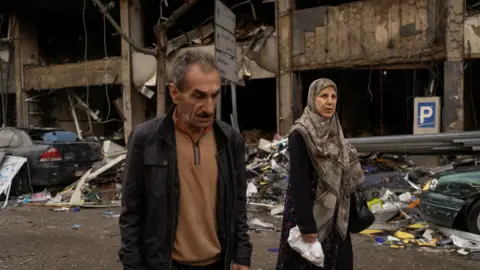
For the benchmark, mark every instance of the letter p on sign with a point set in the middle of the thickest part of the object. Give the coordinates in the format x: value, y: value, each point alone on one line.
x: 426, y: 115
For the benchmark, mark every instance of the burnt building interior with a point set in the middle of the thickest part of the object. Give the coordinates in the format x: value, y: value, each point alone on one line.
x: 256, y: 98
x: 378, y: 102
x: 71, y: 34
x: 81, y: 44
x: 69, y: 43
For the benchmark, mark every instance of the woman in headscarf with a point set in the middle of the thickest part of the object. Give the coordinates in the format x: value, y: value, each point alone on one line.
x: 324, y: 171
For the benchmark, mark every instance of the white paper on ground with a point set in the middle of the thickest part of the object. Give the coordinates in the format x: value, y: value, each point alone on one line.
x: 312, y: 252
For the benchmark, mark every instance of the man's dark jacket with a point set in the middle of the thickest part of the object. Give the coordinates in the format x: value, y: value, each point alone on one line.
x: 151, y: 190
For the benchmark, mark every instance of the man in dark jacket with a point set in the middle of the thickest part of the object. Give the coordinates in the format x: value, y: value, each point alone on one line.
x: 184, y: 195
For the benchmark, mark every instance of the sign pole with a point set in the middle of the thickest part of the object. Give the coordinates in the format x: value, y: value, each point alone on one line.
x: 234, y: 116
x: 219, y: 105
x: 226, y: 55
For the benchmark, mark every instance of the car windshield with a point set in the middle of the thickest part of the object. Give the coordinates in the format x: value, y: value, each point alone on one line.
x: 5, y: 137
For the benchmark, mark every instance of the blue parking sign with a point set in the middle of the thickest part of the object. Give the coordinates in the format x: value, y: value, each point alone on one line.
x: 426, y: 114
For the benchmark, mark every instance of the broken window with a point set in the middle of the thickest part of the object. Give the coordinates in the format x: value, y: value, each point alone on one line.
x: 73, y: 34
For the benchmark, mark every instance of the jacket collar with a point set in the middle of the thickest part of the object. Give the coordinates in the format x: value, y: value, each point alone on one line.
x: 166, y: 130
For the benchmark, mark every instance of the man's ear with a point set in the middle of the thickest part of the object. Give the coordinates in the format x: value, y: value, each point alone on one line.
x: 174, y: 92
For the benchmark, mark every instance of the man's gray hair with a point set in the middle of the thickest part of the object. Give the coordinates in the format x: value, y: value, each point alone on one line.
x: 206, y: 61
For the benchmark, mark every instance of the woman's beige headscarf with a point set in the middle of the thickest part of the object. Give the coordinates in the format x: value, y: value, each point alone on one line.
x: 335, y: 161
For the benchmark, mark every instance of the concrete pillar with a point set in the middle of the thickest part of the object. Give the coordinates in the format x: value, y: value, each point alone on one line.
x: 133, y: 102
x: 285, y: 119
x: 454, y: 113
x: 25, y: 52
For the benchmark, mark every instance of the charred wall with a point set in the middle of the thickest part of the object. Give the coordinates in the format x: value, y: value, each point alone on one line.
x: 366, y: 33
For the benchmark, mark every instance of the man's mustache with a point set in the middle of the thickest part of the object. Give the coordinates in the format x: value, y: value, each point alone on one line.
x: 205, y: 114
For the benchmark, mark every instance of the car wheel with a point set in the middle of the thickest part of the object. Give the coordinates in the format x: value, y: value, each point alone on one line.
x: 474, y: 218
x: 20, y: 184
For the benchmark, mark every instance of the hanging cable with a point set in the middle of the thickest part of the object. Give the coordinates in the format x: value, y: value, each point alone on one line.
x: 369, y: 82
x: 85, y: 64
x: 106, y: 66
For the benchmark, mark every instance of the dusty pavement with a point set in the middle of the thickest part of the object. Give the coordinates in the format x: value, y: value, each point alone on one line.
x: 37, y: 238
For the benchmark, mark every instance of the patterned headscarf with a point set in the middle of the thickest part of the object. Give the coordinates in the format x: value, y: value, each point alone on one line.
x: 335, y: 161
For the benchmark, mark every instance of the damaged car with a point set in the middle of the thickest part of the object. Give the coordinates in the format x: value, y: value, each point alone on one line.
x: 50, y: 162
x: 453, y: 199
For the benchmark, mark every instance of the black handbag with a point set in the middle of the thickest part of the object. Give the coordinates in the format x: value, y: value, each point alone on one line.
x: 361, y: 217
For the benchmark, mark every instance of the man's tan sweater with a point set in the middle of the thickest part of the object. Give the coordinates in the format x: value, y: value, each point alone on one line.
x: 196, y: 240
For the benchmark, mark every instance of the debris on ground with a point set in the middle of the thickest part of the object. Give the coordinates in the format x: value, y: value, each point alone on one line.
x: 393, y: 185
x: 98, y: 187
x: 258, y: 225
x: 423, y: 235
x: 268, y: 166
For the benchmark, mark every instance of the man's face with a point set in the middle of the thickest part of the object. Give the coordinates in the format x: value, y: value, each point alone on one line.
x: 197, y: 102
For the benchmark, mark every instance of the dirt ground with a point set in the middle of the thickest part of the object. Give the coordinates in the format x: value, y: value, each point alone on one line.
x: 38, y: 238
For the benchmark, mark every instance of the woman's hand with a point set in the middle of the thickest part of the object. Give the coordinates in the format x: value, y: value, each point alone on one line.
x: 309, y: 238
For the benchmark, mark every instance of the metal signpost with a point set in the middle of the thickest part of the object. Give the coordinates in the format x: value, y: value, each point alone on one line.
x: 226, y: 54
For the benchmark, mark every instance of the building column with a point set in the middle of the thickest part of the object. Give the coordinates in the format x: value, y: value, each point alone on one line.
x: 284, y: 9
x: 133, y: 101
x: 25, y: 52
x: 454, y: 112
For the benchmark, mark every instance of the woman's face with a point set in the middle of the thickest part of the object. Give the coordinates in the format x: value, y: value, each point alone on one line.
x: 326, y: 102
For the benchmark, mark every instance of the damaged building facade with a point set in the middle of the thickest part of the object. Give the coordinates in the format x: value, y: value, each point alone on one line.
x: 382, y: 54
x: 68, y: 67
x: 71, y: 69
x: 64, y: 78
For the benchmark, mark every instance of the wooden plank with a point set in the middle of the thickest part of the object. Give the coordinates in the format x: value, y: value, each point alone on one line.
x: 343, y: 32
x: 380, y: 28
x: 368, y: 31
x: 407, y: 16
x: 310, y: 48
x: 394, y: 29
x: 355, y: 30
x: 332, y: 35
x: 320, y: 44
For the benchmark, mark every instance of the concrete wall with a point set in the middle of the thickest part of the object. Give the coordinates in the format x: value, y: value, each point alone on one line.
x: 96, y: 72
x: 368, y: 32
x: 472, y: 36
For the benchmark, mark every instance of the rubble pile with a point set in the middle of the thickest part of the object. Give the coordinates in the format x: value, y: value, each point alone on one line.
x: 267, y: 172
x: 98, y: 187
x: 252, y: 137
x: 393, y: 185
x: 268, y: 166
x: 428, y: 238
